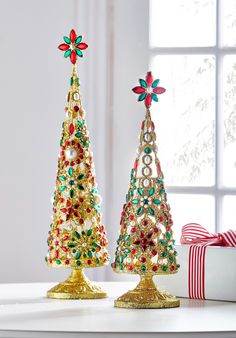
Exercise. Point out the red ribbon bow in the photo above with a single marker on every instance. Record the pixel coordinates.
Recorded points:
(199, 239)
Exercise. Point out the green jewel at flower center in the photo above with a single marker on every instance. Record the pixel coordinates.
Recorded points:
(145, 201)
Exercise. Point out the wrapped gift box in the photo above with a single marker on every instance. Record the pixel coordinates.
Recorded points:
(220, 274)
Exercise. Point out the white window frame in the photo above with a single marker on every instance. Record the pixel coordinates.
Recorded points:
(218, 191)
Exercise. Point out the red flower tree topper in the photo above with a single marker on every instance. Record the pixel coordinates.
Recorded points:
(148, 90)
(73, 46)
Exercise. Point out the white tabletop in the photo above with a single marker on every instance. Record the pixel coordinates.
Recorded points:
(26, 312)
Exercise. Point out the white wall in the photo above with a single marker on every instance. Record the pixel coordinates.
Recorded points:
(34, 79)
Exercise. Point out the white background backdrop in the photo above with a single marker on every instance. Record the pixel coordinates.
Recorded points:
(34, 80)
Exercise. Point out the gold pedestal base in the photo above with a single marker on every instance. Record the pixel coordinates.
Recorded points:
(77, 286)
(146, 296)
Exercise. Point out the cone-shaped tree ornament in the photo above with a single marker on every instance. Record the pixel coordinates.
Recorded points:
(145, 244)
(77, 238)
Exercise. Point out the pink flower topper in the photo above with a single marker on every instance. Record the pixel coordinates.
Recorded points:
(73, 46)
(148, 90)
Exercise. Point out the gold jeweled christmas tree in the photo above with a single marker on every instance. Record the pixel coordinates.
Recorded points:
(145, 244)
(77, 238)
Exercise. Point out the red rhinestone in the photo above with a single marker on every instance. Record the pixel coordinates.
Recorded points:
(81, 199)
(81, 156)
(88, 210)
(68, 203)
(50, 248)
(133, 251)
(123, 225)
(67, 143)
(78, 161)
(167, 228)
(172, 267)
(135, 164)
(67, 261)
(154, 268)
(64, 210)
(73, 142)
(161, 218)
(89, 261)
(62, 153)
(142, 125)
(64, 249)
(56, 242)
(133, 230)
(155, 229)
(72, 163)
(61, 199)
(141, 235)
(60, 221)
(81, 151)
(143, 259)
(56, 254)
(71, 128)
(62, 148)
(67, 163)
(65, 238)
(131, 217)
(81, 221)
(154, 252)
(130, 267)
(145, 222)
(76, 108)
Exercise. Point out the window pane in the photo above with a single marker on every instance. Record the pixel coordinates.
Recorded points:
(185, 118)
(228, 10)
(189, 209)
(229, 171)
(182, 23)
(229, 213)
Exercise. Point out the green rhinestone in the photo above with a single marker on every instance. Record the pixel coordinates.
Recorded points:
(162, 191)
(78, 263)
(143, 267)
(120, 259)
(145, 201)
(80, 177)
(133, 180)
(67, 53)
(62, 188)
(168, 235)
(175, 253)
(78, 39)
(58, 261)
(157, 202)
(164, 268)
(131, 193)
(90, 254)
(132, 172)
(134, 187)
(151, 191)
(127, 250)
(97, 261)
(77, 234)
(66, 39)
(71, 81)
(80, 187)
(89, 232)
(128, 243)
(139, 211)
(143, 83)
(61, 142)
(163, 242)
(80, 123)
(78, 81)
(170, 247)
(135, 201)
(71, 193)
(78, 255)
(151, 211)
(62, 178)
(71, 245)
(74, 251)
(171, 258)
(71, 182)
(140, 191)
(70, 171)
(160, 181)
(95, 244)
(127, 237)
(121, 267)
(147, 150)
(125, 255)
(78, 135)
(164, 254)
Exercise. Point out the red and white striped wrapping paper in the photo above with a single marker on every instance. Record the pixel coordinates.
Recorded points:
(207, 265)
